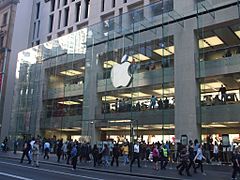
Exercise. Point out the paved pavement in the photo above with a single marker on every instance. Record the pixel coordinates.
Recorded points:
(213, 172)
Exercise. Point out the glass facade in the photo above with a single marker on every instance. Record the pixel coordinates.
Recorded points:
(149, 74)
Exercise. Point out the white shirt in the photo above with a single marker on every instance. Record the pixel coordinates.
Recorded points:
(46, 145)
(32, 143)
(215, 149)
(136, 148)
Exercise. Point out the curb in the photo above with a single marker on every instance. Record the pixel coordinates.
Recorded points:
(104, 171)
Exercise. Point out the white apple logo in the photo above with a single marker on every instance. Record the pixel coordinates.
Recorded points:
(120, 75)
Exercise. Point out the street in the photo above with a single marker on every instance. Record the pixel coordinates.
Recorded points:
(12, 169)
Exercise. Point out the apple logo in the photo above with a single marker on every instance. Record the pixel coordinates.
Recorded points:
(120, 73)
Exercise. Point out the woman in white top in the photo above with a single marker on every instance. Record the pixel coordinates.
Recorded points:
(199, 159)
(215, 152)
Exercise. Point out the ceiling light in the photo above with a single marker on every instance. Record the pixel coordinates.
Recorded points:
(213, 85)
(68, 129)
(210, 41)
(71, 72)
(82, 67)
(120, 121)
(165, 52)
(164, 91)
(238, 80)
(203, 44)
(141, 57)
(108, 98)
(108, 129)
(69, 103)
(109, 64)
(136, 94)
(213, 41)
(237, 33)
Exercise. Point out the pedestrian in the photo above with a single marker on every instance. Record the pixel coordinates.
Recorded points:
(15, 146)
(199, 159)
(115, 154)
(59, 149)
(95, 154)
(36, 153)
(184, 156)
(236, 163)
(164, 157)
(64, 151)
(74, 157)
(105, 153)
(46, 147)
(155, 155)
(136, 154)
(125, 152)
(69, 149)
(215, 152)
(26, 149)
(191, 156)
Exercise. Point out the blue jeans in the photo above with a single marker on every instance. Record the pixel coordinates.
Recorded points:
(125, 159)
(106, 160)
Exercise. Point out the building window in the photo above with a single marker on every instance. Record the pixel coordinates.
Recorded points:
(59, 19)
(102, 5)
(5, 17)
(52, 5)
(38, 10)
(78, 11)
(50, 23)
(1, 41)
(34, 30)
(66, 16)
(113, 3)
(87, 2)
(38, 29)
(65, 2)
(124, 1)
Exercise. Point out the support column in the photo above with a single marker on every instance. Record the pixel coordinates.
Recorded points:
(90, 99)
(186, 88)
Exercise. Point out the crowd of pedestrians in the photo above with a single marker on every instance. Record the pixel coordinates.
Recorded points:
(187, 157)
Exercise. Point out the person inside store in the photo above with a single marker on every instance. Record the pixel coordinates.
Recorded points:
(216, 100)
(228, 53)
(166, 103)
(138, 106)
(223, 91)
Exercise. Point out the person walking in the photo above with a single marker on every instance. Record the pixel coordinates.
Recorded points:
(95, 154)
(36, 153)
(199, 159)
(155, 155)
(74, 157)
(115, 154)
(136, 154)
(59, 149)
(46, 150)
(125, 152)
(191, 156)
(184, 155)
(215, 152)
(236, 163)
(105, 153)
(164, 157)
(26, 149)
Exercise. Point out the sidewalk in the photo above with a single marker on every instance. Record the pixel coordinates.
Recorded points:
(220, 172)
